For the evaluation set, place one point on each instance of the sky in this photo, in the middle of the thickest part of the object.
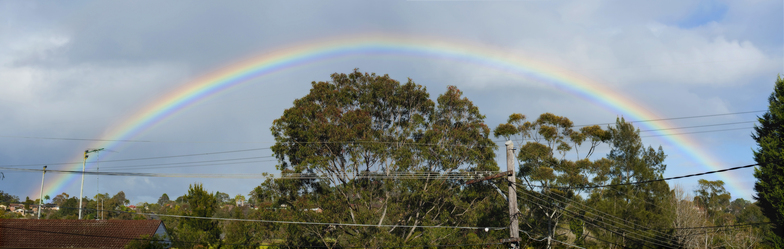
(74, 73)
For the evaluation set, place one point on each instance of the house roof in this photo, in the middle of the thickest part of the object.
(29, 233)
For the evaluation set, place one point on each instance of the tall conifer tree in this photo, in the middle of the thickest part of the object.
(770, 157)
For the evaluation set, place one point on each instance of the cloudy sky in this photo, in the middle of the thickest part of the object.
(73, 72)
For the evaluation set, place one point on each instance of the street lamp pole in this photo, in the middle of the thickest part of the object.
(81, 189)
(41, 200)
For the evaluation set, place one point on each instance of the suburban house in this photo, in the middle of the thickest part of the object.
(31, 233)
(13, 207)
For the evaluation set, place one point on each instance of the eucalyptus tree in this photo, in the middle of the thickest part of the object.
(356, 132)
(635, 213)
(551, 167)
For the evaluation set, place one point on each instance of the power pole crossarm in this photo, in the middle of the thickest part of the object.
(502, 174)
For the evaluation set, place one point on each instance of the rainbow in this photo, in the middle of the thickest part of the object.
(386, 45)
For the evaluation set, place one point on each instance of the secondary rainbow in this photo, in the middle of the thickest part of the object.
(384, 45)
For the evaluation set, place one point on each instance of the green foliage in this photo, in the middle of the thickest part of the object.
(358, 126)
(639, 205)
(163, 200)
(769, 135)
(6, 198)
(59, 199)
(202, 231)
(577, 227)
(69, 207)
(545, 169)
(222, 198)
(28, 202)
(264, 193)
(712, 197)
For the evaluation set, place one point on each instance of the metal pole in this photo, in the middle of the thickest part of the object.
(81, 190)
(41, 200)
(514, 232)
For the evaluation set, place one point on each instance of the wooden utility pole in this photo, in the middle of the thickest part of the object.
(514, 228)
(514, 232)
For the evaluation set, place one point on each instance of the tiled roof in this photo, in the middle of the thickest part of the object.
(30, 233)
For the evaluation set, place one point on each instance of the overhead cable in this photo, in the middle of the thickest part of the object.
(684, 117)
(603, 214)
(697, 132)
(185, 163)
(724, 226)
(146, 158)
(699, 126)
(229, 176)
(647, 238)
(638, 237)
(192, 165)
(257, 142)
(304, 222)
(672, 178)
(647, 181)
(393, 175)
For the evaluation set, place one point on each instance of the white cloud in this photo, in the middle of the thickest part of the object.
(74, 73)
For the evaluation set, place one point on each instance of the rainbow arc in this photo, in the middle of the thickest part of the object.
(295, 56)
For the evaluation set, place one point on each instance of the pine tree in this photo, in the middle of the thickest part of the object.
(770, 157)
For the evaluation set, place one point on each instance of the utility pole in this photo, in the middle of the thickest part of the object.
(81, 189)
(41, 200)
(514, 232)
(514, 229)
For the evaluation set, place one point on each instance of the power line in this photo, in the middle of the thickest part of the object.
(641, 237)
(676, 118)
(300, 222)
(622, 221)
(647, 181)
(131, 140)
(449, 175)
(578, 216)
(646, 236)
(672, 178)
(664, 135)
(399, 175)
(257, 142)
(566, 243)
(699, 126)
(192, 165)
(395, 175)
(724, 226)
(228, 176)
(147, 158)
(589, 236)
(78, 139)
(191, 162)
(697, 132)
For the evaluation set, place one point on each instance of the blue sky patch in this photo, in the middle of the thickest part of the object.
(705, 12)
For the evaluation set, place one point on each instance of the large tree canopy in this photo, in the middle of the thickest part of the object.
(364, 122)
(356, 131)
